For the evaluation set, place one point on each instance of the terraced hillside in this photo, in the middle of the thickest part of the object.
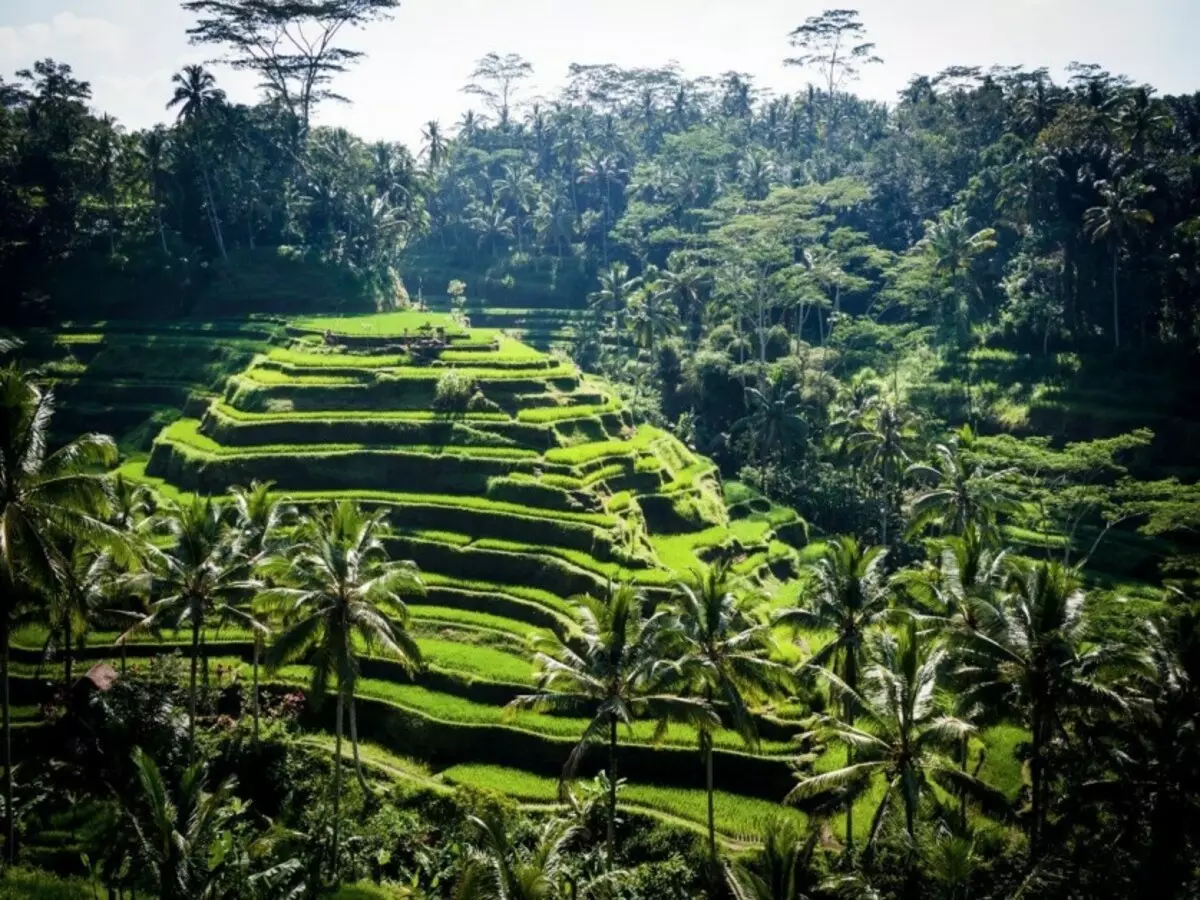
(514, 482)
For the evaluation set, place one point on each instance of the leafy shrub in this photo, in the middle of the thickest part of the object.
(454, 391)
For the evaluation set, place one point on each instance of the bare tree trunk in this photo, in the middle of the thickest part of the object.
(337, 784)
(192, 689)
(67, 651)
(257, 645)
(10, 819)
(707, 744)
(354, 744)
(1116, 308)
(611, 836)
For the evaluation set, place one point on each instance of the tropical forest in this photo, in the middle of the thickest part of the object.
(669, 486)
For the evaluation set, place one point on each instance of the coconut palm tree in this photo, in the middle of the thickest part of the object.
(617, 288)
(175, 836)
(44, 497)
(196, 577)
(434, 147)
(848, 596)
(904, 737)
(197, 95)
(951, 249)
(87, 588)
(498, 869)
(882, 443)
(653, 317)
(153, 148)
(683, 282)
(961, 493)
(775, 418)
(1117, 218)
(723, 657)
(1033, 658)
(336, 587)
(780, 869)
(259, 518)
(613, 668)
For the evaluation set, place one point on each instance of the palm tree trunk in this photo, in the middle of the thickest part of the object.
(611, 836)
(10, 820)
(67, 651)
(192, 688)
(1036, 777)
(1116, 313)
(337, 783)
(965, 750)
(354, 744)
(255, 702)
(707, 745)
(210, 200)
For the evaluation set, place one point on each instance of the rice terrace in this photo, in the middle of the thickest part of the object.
(649, 486)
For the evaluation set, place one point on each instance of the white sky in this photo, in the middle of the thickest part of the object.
(418, 62)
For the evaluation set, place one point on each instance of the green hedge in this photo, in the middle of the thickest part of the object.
(400, 470)
(546, 572)
(495, 603)
(526, 491)
(451, 430)
(532, 529)
(443, 744)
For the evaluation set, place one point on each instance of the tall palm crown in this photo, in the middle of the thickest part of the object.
(259, 516)
(849, 595)
(952, 248)
(1034, 658)
(776, 416)
(960, 493)
(88, 589)
(337, 583)
(616, 289)
(44, 496)
(653, 317)
(960, 590)
(905, 737)
(196, 92)
(611, 667)
(723, 657)
(883, 443)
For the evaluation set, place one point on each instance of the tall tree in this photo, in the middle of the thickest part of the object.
(199, 573)
(337, 593)
(832, 44)
(958, 492)
(610, 668)
(848, 596)
(1034, 656)
(292, 46)
(905, 734)
(496, 80)
(1117, 219)
(723, 657)
(197, 96)
(44, 496)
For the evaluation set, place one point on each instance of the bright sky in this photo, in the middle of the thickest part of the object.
(418, 62)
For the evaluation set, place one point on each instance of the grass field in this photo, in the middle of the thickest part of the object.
(741, 818)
